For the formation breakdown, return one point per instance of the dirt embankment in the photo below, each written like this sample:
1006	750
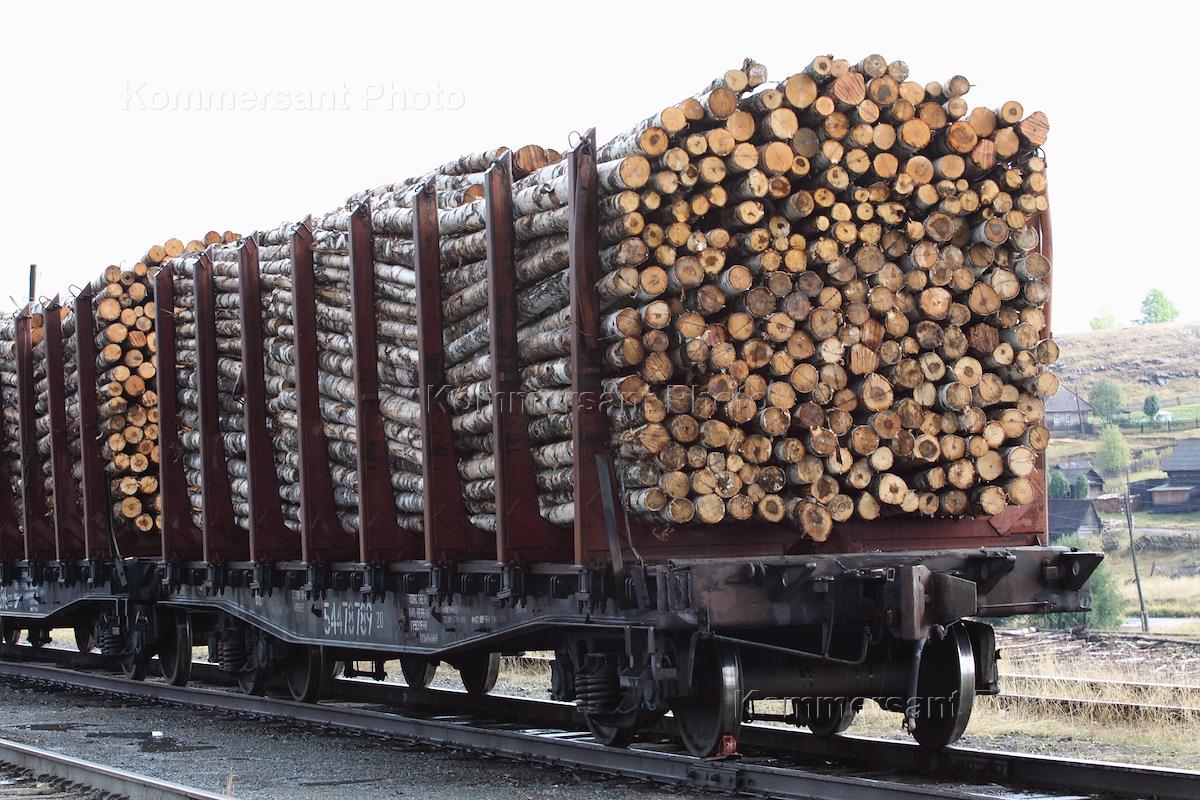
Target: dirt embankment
1143	360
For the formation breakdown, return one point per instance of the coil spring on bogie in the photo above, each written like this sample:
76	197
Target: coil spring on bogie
598	689
231	652
110	641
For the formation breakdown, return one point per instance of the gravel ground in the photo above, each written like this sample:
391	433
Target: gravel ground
262	761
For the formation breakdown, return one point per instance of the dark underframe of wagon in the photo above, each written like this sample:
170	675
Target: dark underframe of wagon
411	607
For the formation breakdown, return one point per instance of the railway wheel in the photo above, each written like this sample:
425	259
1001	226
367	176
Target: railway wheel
85	637
305	672
10	633
714	709
945	689
479	672
135	668
826	716
175	647
255	672
419	671
598	693
38	637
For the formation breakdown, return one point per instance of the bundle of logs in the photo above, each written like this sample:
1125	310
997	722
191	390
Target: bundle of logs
126	345
842	313
823	299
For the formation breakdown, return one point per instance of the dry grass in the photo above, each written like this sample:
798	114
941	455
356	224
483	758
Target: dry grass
1128	355
1165	597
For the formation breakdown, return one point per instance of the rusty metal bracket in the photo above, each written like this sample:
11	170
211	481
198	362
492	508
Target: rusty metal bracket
39	534
181	539
448	533
521	531
380	537
269	537
68	518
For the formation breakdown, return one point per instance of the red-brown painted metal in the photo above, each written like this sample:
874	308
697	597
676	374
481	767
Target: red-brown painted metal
181	539
39	533
522	534
68	516
321	537
269	537
380	536
1046	248
589	423
221	539
448	533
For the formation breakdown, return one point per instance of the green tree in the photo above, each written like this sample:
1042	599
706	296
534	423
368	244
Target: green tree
1150	406
1103	322
1157	308
1059	487
1080	489
1108	400
1112	455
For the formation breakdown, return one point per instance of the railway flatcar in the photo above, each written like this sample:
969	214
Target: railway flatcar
697	619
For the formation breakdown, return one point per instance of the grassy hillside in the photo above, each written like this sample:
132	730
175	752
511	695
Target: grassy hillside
1143	360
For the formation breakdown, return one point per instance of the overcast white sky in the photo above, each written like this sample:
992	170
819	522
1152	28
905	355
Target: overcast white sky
95	169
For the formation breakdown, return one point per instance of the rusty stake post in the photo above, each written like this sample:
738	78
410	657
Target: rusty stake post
68	518
521	531
447	530
321	538
269	537
39	536
589	424
380	537
181	540
221	542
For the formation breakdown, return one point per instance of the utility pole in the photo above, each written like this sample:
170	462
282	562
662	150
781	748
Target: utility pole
1137	578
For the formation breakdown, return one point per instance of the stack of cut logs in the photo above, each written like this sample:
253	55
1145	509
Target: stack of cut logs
823	300
842	317
138	488
125	343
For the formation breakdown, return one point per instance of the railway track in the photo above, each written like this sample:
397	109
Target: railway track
775	761
31	773
1134	699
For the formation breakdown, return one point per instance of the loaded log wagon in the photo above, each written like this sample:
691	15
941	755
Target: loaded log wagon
744	404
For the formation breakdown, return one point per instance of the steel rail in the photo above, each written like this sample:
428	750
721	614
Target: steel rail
1104	683
1075	705
557	748
97	776
957	763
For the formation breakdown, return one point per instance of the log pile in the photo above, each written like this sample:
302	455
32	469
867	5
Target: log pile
138	487
850	320
822	296
396	342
